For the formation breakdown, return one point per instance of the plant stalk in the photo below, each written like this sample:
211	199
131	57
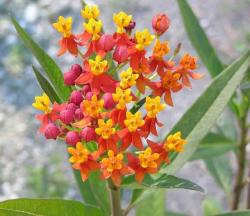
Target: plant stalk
115	199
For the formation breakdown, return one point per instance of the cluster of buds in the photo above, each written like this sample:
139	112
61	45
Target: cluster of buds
101	121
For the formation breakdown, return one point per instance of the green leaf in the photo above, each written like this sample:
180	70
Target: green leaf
47	63
213	145
199	39
235	213
221	170
153	205
163	182
170	213
211	207
46	207
46	86
202	115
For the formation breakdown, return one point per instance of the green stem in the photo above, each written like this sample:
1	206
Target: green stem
115	199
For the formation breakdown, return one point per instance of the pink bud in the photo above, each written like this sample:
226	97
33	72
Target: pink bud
76	69
106	42
72	107
66	116
88	134
89	95
69	78
120	54
131	26
108	101
76	97
72	138
86	89
160	23
78	114
51	131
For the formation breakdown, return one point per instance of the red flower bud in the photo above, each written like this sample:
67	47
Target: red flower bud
78	114
106	42
69	78
72	138
160	23
120	54
108	101
86	89
89	95
131	26
67	116
88	134
51	131
71	106
76	70
76	97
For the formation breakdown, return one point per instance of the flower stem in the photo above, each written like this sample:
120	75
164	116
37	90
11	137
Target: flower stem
115	199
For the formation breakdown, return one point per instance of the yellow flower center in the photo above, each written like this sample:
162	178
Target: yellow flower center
98	66
143	38
105	129
64	25
160	49
42	103
112	162
93	107
79	154
128	78
153	106
133	121
93	27
121	20
90	12
122	97
147	159
171	80
174	143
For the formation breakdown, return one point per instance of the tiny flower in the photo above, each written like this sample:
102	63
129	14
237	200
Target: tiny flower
143	39
78	114
122	97
106	42
79	154
160	23
76	69
90	12
94	28
121	20
72	137
76	97
88	134
153	106
120	54
160	49
131	26
105	129
133	121
188	62
64	25
51	131
108	101
128	78
67	116
174	143
42	103
92	108
98	66
148	159
71	106
86	89
69	78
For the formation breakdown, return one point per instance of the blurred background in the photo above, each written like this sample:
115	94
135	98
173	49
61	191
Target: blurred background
30	166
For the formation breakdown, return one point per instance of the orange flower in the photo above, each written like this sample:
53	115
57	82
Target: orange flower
92	108
113	166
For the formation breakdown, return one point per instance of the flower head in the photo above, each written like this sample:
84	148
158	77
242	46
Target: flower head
64	25
98	66
105	129
90	12
188	62
174	142
42	103
92	108
93	27
128	78
148	159
121	20
122	97
133	121
143	39
160	49
112	162
79	154
153	106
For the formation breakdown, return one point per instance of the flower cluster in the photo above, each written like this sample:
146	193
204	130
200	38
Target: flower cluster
101	120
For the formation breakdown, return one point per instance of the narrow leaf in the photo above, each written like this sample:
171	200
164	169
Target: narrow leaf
235	213
199	39
46	86
202	115
47	63
46	207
